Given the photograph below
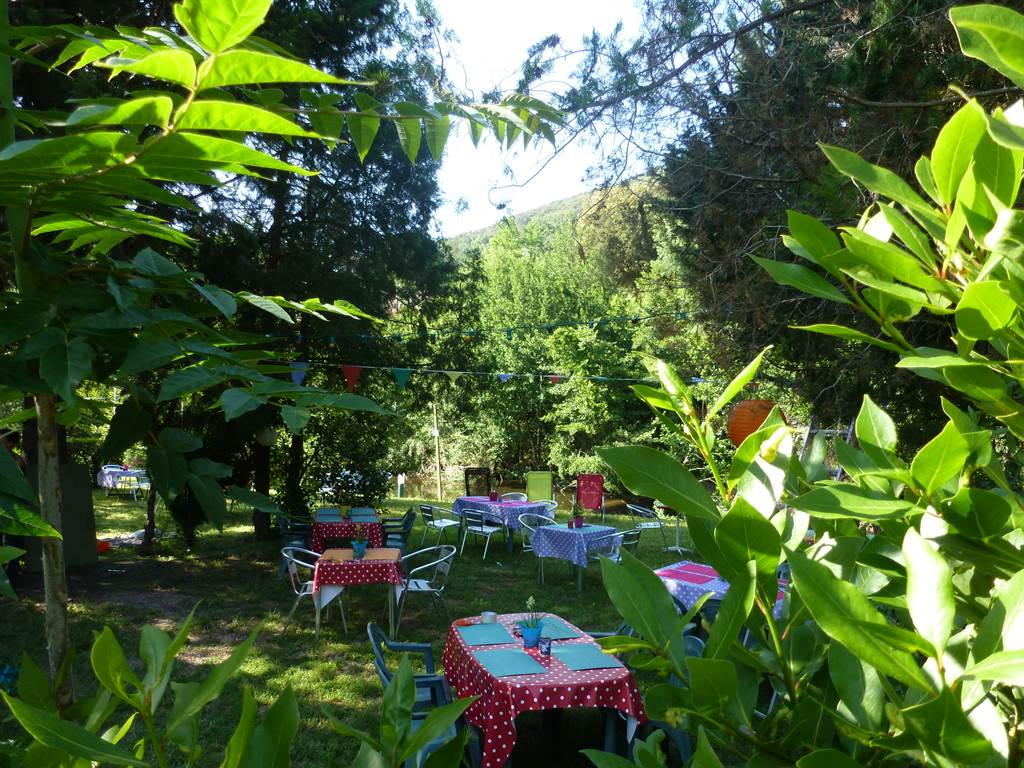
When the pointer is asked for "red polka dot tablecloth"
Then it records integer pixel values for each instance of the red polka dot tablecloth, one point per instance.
(502, 698)
(346, 529)
(380, 566)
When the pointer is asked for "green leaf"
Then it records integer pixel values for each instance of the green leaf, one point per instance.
(929, 590)
(149, 354)
(642, 599)
(295, 418)
(267, 305)
(833, 603)
(22, 520)
(179, 441)
(801, 278)
(112, 669)
(363, 130)
(149, 262)
(48, 729)
(712, 685)
(649, 472)
(941, 726)
(843, 500)
(173, 65)
(221, 24)
(410, 134)
(64, 366)
(1004, 667)
(13, 482)
(984, 310)
(744, 535)
(253, 499)
(879, 180)
(168, 470)
(436, 724)
(236, 401)
(145, 110)
(186, 381)
(272, 741)
(861, 695)
(818, 241)
(449, 755)
(210, 115)
(221, 299)
(876, 432)
(238, 744)
(129, 426)
(183, 155)
(739, 381)
(210, 497)
(993, 34)
(735, 607)
(214, 683)
(977, 513)
(842, 332)
(437, 129)
(925, 177)
(940, 460)
(24, 318)
(244, 67)
(826, 758)
(954, 149)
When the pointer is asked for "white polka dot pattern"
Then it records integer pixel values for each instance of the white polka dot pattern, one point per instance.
(688, 582)
(346, 529)
(502, 512)
(502, 698)
(570, 544)
(356, 572)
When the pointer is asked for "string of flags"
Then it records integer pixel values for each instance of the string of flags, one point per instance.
(299, 370)
(469, 334)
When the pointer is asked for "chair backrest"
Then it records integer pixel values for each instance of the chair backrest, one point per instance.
(539, 485)
(631, 539)
(550, 507)
(143, 481)
(531, 522)
(515, 496)
(113, 466)
(378, 640)
(408, 521)
(427, 513)
(437, 563)
(635, 510)
(473, 517)
(478, 481)
(297, 557)
(607, 545)
(590, 491)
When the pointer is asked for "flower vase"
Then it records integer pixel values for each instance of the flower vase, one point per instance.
(358, 550)
(531, 636)
(577, 522)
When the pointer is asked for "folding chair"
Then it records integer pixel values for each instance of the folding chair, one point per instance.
(539, 486)
(473, 522)
(590, 493)
(438, 519)
(647, 520)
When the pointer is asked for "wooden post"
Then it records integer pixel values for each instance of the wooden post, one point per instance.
(437, 452)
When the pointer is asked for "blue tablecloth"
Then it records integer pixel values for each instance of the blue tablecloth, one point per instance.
(504, 513)
(570, 544)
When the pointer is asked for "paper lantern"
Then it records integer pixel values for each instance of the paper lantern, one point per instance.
(746, 417)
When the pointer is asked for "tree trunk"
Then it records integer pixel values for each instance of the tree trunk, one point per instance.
(146, 548)
(261, 484)
(55, 582)
(294, 502)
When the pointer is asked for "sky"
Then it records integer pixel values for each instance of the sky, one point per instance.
(491, 46)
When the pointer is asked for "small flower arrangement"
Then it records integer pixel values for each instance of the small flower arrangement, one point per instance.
(532, 617)
(360, 534)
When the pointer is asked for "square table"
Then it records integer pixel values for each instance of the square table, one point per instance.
(572, 544)
(337, 569)
(346, 529)
(504, 513)
(556, 687)
(688, 581)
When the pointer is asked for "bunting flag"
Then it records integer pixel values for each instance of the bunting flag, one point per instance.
(453, 375)
(351, 373)
(503, 377)
(299, 370)
(401, 376)
(554, 378)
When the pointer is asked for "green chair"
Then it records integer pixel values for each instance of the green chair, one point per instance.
(539, 486)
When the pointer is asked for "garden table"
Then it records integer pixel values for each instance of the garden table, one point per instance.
(108, 477)
(346, 529)
(505, 513)
(337, 569)
(572, 544)
(688, 581)
(554, 683)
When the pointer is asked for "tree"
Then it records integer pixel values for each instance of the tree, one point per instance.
(77, 308)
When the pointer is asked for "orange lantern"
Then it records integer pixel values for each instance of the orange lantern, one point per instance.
(746, 418)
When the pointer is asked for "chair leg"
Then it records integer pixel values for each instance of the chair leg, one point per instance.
(487, 543)
(341, 610)
(444, 605)
(465, 533)
(399, 610)
(291, 613)
(424, 536)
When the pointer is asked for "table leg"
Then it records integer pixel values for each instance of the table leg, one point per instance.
(509, 539)
(391, 611)
(579, 578)
(678, 547)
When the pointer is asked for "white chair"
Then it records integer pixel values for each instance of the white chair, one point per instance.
(512, 497)
(473, 522)
(438, 519)
(609, 545)
(297, 558)
(428, 578)
(530, 522)
(646, 519)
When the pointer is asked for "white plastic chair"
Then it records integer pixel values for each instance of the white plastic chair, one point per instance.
(429, 578)
(647, 520)
(438, 519)
(512, 497)
(474, 523)
(296, 558)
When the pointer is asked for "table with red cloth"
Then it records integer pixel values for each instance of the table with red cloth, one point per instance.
(503, 698)
(337, 569)
(688, 581)
(346, 529)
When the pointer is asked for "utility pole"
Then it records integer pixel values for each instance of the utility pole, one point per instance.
(437, 452)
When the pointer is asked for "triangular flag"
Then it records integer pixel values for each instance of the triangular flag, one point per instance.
(298, 372)
(401, 376)
(351, 375)
(453, 375)
(504, 376)
(554, 378)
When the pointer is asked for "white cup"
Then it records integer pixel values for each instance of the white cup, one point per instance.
(488, 617)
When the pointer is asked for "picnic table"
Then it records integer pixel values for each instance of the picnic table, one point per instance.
(488, 661)
(346, 529)
(337, 569)
(572, 544)
(504, 513)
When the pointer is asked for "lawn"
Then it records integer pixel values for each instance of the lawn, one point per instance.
(232, 580)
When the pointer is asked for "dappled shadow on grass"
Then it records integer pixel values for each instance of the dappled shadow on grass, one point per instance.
(232, 579)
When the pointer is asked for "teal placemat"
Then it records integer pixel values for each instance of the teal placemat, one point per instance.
(485, 634)
(556, 629)
(505, 662)
(584, 656)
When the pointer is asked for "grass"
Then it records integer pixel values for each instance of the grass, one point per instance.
(232, 581)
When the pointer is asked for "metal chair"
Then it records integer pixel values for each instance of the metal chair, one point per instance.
(473, 522)
(647, 520)
(631, 540)
(428, 578)
(438, 518)
(530, 522)
(515, 496)
(397, 530)
(296, 558)
(609, 545)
